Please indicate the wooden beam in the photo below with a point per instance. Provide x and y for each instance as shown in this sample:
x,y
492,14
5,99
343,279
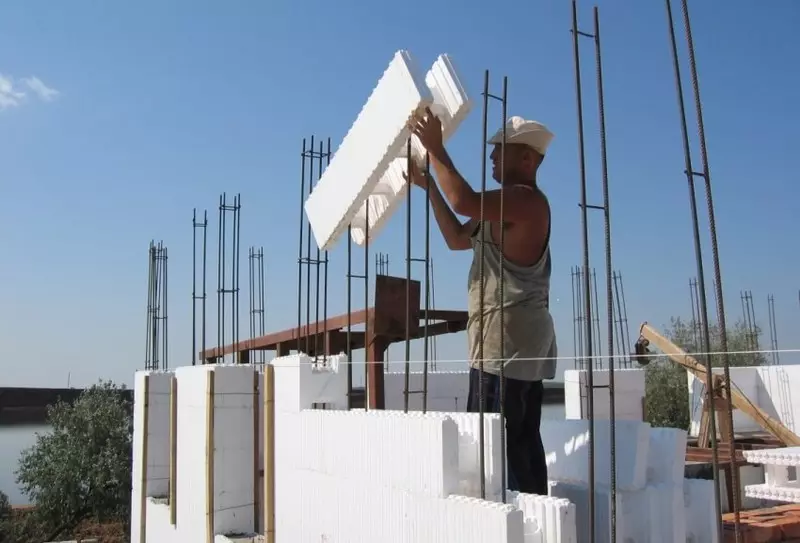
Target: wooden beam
x,y
173,450
737,399
210,458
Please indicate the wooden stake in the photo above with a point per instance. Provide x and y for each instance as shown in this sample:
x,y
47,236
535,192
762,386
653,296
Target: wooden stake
x,y
173,450
269,453
210,459
143,481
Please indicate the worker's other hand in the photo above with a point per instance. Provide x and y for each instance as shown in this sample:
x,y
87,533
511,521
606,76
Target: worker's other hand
x,y
417,177
428,128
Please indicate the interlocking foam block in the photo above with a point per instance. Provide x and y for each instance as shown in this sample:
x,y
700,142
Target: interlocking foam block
x,y
745,379
422,450
469,454
338,510
667,515
305,381
566,445
452,105
782,456
628,388
447,390
633,507
373,141
698,500
666,459
546,519
157,431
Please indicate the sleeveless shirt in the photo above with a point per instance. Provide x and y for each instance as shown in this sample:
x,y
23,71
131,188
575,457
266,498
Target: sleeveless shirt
x,y
526,342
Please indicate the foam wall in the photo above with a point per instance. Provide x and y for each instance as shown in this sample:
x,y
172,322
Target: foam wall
x,y
780,475
769,387
373,141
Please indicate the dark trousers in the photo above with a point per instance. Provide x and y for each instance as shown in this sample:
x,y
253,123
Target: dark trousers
x,y
527,467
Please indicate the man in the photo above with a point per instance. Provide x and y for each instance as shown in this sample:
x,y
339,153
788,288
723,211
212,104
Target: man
x,y
525,345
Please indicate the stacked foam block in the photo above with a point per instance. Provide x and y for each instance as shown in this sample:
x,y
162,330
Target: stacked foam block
x,y
780,474
649,479
629,394
447,390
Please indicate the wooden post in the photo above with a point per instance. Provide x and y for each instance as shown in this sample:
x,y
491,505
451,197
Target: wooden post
x,y
256,448
210,458
269,453
143,481
173,450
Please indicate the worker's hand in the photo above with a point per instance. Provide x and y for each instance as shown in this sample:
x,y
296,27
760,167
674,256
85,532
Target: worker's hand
x,y
428,128
418,176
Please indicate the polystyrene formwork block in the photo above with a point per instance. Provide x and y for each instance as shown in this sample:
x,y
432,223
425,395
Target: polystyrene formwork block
x,y
629,394
546,519
566,445
447,390
666,457
452,105
410,451
338,510
698,501
302,381
633,507
376,137
469,454
156,451
773,493
667,515
233,452
781,456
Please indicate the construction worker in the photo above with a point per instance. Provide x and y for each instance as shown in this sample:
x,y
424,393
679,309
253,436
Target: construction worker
x,y
525,345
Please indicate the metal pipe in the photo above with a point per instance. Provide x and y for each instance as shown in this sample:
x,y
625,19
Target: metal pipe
x,y
482,288
586,278
609,278
300,250
701,283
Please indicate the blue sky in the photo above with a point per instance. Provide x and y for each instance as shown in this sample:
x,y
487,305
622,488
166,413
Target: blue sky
x,y
161,106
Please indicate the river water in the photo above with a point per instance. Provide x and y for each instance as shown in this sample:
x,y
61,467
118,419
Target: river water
x,y
14,439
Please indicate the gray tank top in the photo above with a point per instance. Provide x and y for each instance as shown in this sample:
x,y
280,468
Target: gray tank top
x,y
527,336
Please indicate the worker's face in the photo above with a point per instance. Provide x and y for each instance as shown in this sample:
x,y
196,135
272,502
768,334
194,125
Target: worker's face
x,y
520,163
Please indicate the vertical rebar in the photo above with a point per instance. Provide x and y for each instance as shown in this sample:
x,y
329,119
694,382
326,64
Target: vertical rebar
x,y
482,288
723,332
310,156
407,365
165,322
325,280
586,271
598,343
349,320
367,339
701,285
203,303
426,339
502,222
627,336
236,231
609,288
317,263
224,269
194,286
300,250
220,258
262,331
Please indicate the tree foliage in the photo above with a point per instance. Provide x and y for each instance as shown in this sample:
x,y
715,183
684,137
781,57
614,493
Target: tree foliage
x,y
666,386
82,468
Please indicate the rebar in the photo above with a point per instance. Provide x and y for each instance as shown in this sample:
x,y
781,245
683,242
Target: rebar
x,y
773,330
157,330
502,223
482,287
407,363
300,251
308,261
426,341
257,308
222,269
700,273
586,283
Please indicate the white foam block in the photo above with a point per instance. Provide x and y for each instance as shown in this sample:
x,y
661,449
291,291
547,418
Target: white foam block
x,y
469,454
447,390
373,141
545,518
452,105
566,445
698,500
666,458
629,394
